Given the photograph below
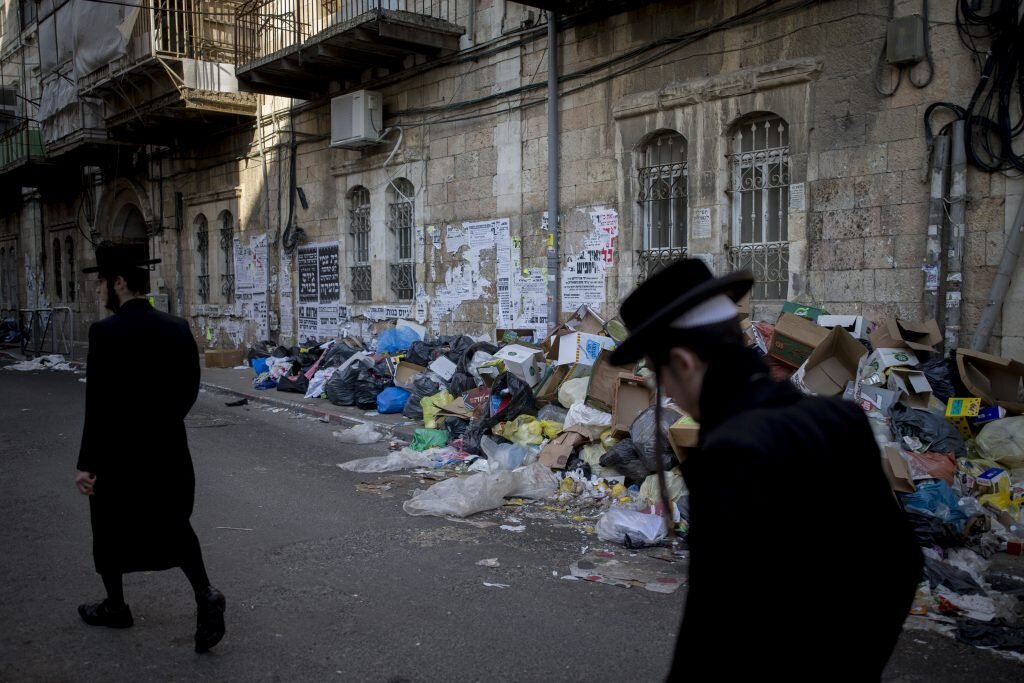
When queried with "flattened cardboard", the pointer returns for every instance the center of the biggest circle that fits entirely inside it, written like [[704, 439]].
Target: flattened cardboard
[[991, 378], [457, 408], [881, 360], [521, 361], [896, 334], [795, 339], [683, 434], [405, 372], [586, 320], [913, 385], [443, 367], [897, 471], [547, 390], [854, 324], [631, 397], [223, 358], [832, 365], [581, 347], [803, 310], [558, 451], [601, 389]]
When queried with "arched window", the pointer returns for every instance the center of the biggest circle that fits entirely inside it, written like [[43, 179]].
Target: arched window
[[58, 272], [760, 203], [227, 248], [401, 214], [72, 277], [202, 262], [662, 177], [359, 229]]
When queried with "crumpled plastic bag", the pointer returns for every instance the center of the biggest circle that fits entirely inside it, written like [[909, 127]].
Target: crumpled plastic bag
[[396, 339], [582, 414], [425, 439], [527, 430], [424, 384], [650, 493], [464, 496], [1003, 441], [935, 432], [392, 400], [404, 459], [624, 459], [553, 413], [936, 498], [503, 456], [432, 406], [319, 381], [643, 433], [361, 433], [573, 391], [931, 465], [630, 528]]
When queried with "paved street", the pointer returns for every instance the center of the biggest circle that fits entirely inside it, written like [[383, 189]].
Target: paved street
[[324, 582]]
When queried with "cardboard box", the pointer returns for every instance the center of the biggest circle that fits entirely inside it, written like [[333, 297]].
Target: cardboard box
[[994, 480], [631, 397], [881, 360], [507, 335], [457, 408], [993, 379], [405, 372], [803, 310], [583, 348], [683, 434], [556, 453], [904, 334], [443, 367], [223, 358], [547, 390], [854, 324], [877, 400], [601, 389], [795, 339], [913, 385], [832, 365], [583, 320], [959, 411], [897, 471], [521, 361]]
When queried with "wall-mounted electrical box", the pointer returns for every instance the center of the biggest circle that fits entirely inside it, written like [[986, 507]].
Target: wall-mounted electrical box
[[905, 40], [356, 119]]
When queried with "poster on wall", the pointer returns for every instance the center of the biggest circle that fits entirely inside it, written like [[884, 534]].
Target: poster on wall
[[308, 318], [308, 287], [328, 278], [585, 273], [287, 319], [319, 291]]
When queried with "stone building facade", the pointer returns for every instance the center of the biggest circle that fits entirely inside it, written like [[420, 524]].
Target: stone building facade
[[747, 134]]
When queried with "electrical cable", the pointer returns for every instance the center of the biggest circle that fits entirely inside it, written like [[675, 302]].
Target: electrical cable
[[909, 68]]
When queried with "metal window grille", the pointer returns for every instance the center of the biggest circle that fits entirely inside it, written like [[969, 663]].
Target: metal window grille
[[227, 248], [760, 204], [58, 270], [359, 228], [662, 181], [203, 259], [69, 248], [401, 214]]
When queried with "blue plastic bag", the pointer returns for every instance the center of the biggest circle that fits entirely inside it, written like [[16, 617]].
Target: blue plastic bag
[[396, 340], [392, 400], [259, 365], [936, 498]]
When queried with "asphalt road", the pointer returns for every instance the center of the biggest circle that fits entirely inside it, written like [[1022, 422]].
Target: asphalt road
[[324, 582]]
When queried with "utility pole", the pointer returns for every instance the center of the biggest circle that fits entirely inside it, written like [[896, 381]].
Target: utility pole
[[936, 219], [955, 252]]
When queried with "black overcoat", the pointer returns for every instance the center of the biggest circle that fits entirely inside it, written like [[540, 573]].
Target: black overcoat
[[142, 378], [801, 562]]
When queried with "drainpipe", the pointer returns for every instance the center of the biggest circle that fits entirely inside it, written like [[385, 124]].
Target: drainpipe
[[179, 226], [955, 252], [471, 23], [1011, 255], [554, 289], [936, 219]]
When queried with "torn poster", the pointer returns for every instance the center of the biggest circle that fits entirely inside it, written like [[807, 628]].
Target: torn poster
[[308, 320], [319, 290], [259, 307], [583, 278], [287, 319], [257, 265], [327, 321], [387, 312], [455, 239], [241, 256]]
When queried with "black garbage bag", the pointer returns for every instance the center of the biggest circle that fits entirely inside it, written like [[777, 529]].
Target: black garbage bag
[[643, 434], [423, 384], [941, 374], [341, 387], [456, 427], [297, 384], [624, 458], [460, 383], [337, 355], [257, 350], [472, 437], [519, 395], [421, 353], [996, 634], [935, 432], [942, 574], [369, 383], [281, 352], [929, 530], [458, 347]]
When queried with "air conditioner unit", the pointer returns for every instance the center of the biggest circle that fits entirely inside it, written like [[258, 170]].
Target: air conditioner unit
[[356, 119]]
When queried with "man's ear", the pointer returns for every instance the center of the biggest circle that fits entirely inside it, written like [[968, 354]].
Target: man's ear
[[684, 359], [120, 283]]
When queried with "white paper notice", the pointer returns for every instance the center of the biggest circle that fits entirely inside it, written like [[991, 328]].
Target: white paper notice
[[702, 223], [308, 318], [583, 278], [455, 239], [287, 314], [797, 197], [327, 321]]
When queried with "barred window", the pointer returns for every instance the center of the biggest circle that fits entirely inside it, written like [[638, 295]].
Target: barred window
[[69, 248], [401, 214], [760, 204], [227, 248], [202, 262], [58, 270], [359, 229], [662, 180]]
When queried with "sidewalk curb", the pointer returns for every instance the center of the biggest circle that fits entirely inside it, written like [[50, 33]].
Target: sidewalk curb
[[404, 432]]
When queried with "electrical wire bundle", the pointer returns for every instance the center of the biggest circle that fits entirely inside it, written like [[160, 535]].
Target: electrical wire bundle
[[994, 118]]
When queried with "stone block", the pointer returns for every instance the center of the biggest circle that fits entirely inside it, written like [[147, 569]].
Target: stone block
[[1012, 347], [906, 155], [894, 124], [855, 161], [986, 213], [847, 285], [909, 252], [995, 244], [833, 194], [905, 219], [840, 131], [844, 254], [442, 169], [899, 284], [850, 223], [456, 144], [878, 190], [878, 252]]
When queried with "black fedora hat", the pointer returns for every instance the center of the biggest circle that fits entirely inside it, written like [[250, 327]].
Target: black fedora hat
[[653, 306], [115, 259]]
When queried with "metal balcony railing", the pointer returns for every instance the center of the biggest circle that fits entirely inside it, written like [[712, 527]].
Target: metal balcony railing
[[20, 144], [268, 27]]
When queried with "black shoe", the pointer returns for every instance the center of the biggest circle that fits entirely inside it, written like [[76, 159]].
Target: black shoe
[[209, 619], [106, 614]]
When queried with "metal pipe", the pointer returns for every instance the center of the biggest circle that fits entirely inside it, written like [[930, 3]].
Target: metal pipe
[[936, 219], [1011, 256], [554, 289], [179, 279], [955, 250], [471, 23]]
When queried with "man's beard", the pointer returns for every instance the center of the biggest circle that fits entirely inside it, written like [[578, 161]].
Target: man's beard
[[113, 302]]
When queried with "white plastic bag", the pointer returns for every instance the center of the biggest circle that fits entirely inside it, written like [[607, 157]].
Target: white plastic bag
[[650, 492], [502, 456], [316, 385], [361, 433], [402, 460], [464, 496], [1003, 441], [573, 391], [582, 414], [618, 523], [479, 358]]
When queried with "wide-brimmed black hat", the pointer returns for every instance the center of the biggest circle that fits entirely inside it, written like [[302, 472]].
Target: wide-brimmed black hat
[[653, 306], [115, 259]]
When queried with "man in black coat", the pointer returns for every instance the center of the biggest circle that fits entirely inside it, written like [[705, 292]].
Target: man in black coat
[[142, 378], [801, 562]]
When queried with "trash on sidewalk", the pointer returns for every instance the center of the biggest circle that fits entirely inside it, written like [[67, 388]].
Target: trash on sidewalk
[[620, 568], [50, 362], [361, 433], [490, 562], [464, 496]]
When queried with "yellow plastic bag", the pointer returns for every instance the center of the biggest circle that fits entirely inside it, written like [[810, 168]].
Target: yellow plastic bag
[[650, 493], [432, 406], [550, 428], [1003, 501], [525, 430], [608, 438]]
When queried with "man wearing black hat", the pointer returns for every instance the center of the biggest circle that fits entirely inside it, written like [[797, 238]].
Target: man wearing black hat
[[801, 562], [134, 464]]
